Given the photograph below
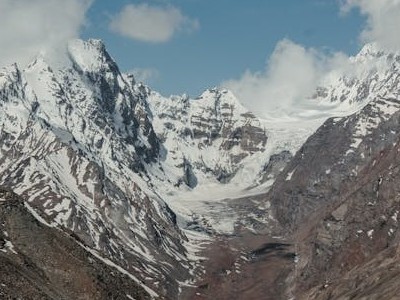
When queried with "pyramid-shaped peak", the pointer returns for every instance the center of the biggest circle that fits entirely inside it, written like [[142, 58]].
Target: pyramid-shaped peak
[[90, 55], [220, 95], [374, 50]]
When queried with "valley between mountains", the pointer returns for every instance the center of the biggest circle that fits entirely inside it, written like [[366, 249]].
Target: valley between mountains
[[108, 190]]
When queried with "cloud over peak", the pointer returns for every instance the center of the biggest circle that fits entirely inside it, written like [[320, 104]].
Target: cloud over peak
[[154, 24], [383, 21], [293, 72], [29, 27], [145, 75], [288, 80]]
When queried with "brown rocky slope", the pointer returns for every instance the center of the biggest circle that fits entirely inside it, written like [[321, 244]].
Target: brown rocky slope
[[340, 206], [39, 262]]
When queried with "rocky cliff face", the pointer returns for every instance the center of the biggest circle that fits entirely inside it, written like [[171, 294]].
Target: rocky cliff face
[[213, 133], [39, 262]]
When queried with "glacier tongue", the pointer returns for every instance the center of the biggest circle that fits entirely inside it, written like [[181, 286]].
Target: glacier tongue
[[215, 152]]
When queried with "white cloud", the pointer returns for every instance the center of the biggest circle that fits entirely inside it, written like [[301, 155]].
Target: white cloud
[[151, 23], [290, 77], [383, 21], [145, 75], [293, 72], [29, 27]]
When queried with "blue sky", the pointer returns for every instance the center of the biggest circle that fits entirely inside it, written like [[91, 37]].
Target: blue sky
[[230, 37]]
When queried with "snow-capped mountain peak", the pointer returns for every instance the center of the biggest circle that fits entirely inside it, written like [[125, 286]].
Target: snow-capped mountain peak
[[370, 50], [90, 56], [371, 73]]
